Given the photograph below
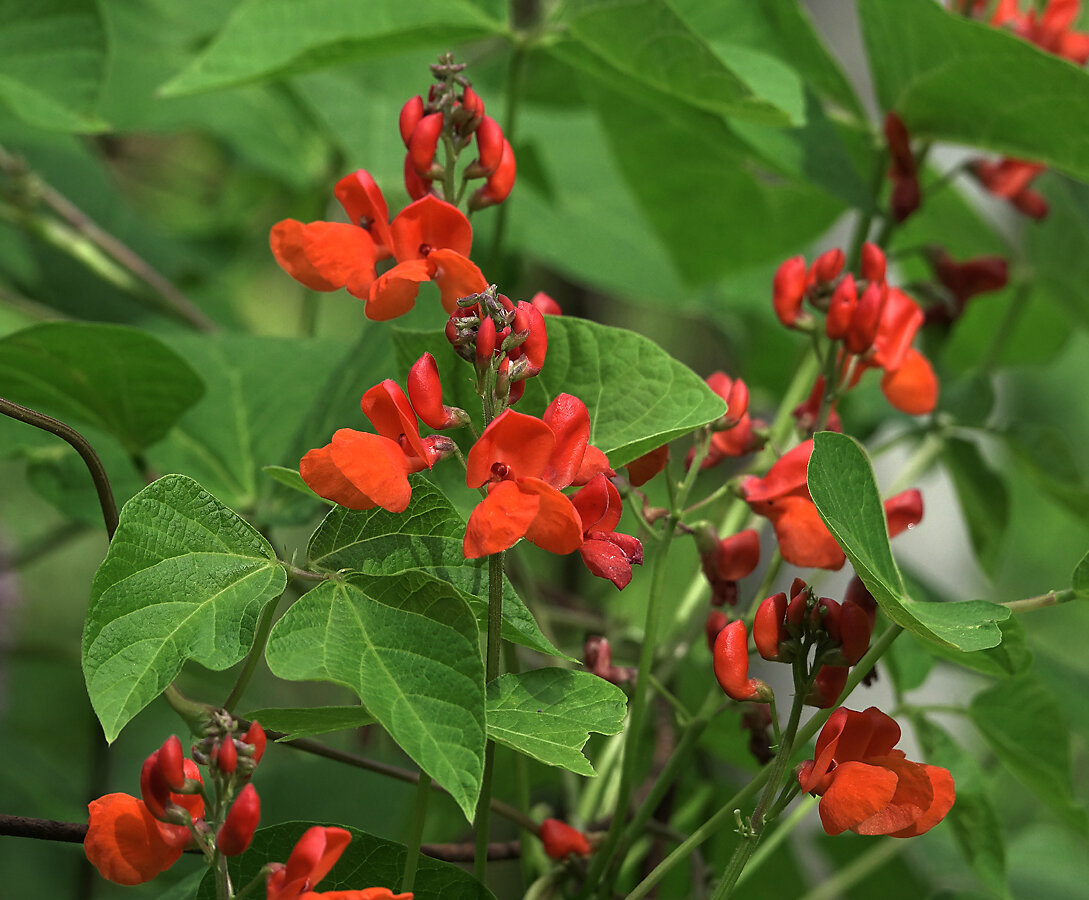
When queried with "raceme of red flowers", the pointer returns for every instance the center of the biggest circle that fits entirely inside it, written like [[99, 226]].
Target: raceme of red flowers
[[429, 239], [314, 854], [868, 787]]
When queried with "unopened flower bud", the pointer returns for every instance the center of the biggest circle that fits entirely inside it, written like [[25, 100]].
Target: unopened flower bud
[[730, 658], [769, 628], [237, 830], [874, 263], [411, 113], [423, 143], [828, 265], [171, 763], [561, 840], [227, 757], [788, 290]]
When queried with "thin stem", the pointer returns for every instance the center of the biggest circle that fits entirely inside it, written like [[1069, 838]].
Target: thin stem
[[683, 715], [491, 672], [1041, 601], [84, 225], [256, 654], [1021, 296], [419, 816], [856, 871], [80, 444], [778, 836]]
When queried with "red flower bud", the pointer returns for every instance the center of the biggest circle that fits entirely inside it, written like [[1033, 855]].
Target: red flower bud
[[738, 555], [153, 787], [171, 763], [828, 686], [730, 657], [768, 628], [424, 141], [499, 184], [828, 265], [474, 106], [255, 735], [411, 113], [560, 839], [546, 304], [858, 595], [416, 186], [237, 830], [867, 318], [904, 511], [855, 629], [841, 309], [874, 263], [825, 617], [716, 621], [788, 290], [489, 146], [529, 320], [795, 614], [425, 394], [641, 470], [227, 758], [485, 340]]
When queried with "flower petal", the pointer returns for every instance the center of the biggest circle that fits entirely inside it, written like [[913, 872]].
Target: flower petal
[[499, 520], [804, 540], [430, 224], [606, 560], [394, 292], [913, 797], [598, 505], [325, 256], [366, 207], [521, 442], [944, 793], [456, 275], [556, 527], [375, 465], [323, 477], [857, 793], [123, 840], [912, 388], [569, 420], [392, 415]]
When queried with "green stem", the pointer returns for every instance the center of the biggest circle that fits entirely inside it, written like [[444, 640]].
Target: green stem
[[491, 672], [1021, 296], [419, 816], [256, 654], [856, 871], [78, 443], [778, 836], [1041, 601], [807, 731]]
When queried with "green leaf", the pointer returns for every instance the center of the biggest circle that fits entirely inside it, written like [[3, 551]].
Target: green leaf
[[267, 39], [843, 487], [368, 861], [52, 59], [292, 479], [1024, 725], [954, 79], [1079, 581], [1011, 657], [184, 578], [297, 722], [118, 379], [549, 713], [974, 819], [983, 498], [408, 646], [427, 536], [1048, 459]]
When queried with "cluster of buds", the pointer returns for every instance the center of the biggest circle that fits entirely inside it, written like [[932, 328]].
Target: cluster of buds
[[454, 114], [873, 323], [832, 636], [506, 343]]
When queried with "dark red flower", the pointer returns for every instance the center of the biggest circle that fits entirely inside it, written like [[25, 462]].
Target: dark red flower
[[606, 553], [1010, 179], [905, 197], [561, 840], [868, 787]]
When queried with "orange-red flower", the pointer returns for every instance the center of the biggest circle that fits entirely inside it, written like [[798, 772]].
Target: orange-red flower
[[1051, 30], [868, 787], [524, 461], [429, 239], [560, 839], [314, 855], [360, 470], [606, 553]]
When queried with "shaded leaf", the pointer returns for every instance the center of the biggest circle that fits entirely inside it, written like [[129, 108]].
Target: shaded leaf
[[1048, 459], [184, 578], [843, 487], [982, 495], [118, 379], [426, 536], [1079, 581], [549, 713], [954, 79], [297, 722], [408, 646], [368, 861], [267, 39]]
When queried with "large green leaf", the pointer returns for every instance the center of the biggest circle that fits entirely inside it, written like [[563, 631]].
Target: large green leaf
[[842, 484], [983, 498], [368, 861], [52, 57], [266, 39], [959, 80], [1048, 459], [408, 646], [117, 379], [647, 43], [549, 713], [973, 817], [426, 536], [1024, 725], [184, 578]]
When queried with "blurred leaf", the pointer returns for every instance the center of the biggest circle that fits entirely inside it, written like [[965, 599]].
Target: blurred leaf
[[115, 378], [1024, 725], [954, 79], [973, 817], [368, 861], [549, 713], [267, 39], [52, 57], [909, 663], [258, 389], [408, 646], [184, 578], [1047, 457], [308, 721], [842, 485], [982, 495], [781, 27], [1079, 581], [428, 537], [1047, 860], [1057, 248], [647, 43], [292, 479], [969, 400]]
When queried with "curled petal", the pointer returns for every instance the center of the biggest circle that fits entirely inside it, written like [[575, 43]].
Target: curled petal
[[392, 415], [456, 276], [912, 388], [943, 793], [606, 559], [123, 840], [500, 520], [366, 207], [900, 320], [430, 224], [598, 505], [394, 292], [374, 465]]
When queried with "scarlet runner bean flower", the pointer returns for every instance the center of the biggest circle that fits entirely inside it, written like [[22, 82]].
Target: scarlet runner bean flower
[[963, 281], [606, 553], [730, 660], [360, 470], [868, 787], [314, 854], [726, 561], [561, 840]]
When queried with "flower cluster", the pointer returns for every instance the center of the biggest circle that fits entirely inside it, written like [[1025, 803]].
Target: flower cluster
[[314, 855], [872, 325]]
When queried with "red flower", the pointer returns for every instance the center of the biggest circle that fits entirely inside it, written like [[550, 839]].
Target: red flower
[[606, 553], [361, 470], [868, 787], [525, 461], [1010, 179], [429, 239], [737, 437], [730, 659], [314, 855], [905, 197], [1050, 31], [561, 840]]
